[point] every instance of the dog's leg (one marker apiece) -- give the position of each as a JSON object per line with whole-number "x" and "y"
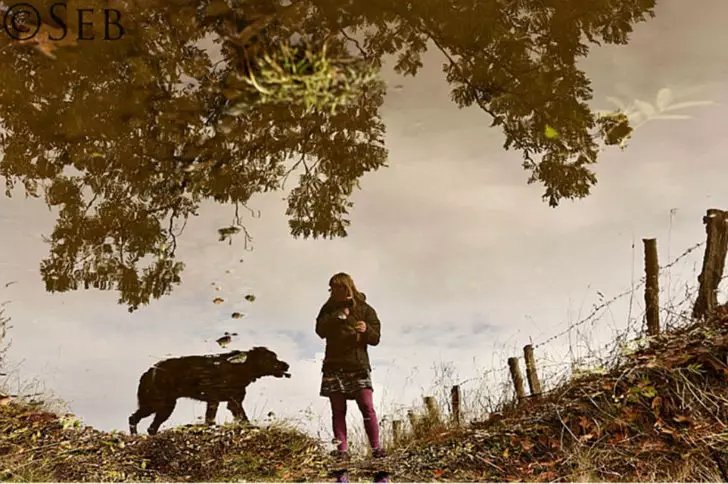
{"x": 236, "y": 408}
{"x": 163, "y": 413}
{"x": 135, "y": 417}
{"x": 211, "y": 412}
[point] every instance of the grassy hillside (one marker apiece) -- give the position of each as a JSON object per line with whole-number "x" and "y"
{"x": 658, "y": 415}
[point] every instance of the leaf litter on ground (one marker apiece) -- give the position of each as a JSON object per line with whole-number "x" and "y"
{"x": 656, "y": 415}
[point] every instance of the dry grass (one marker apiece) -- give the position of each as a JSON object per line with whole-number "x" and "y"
{"x": 41, "y": 446}
{"x": 658, "y": 415}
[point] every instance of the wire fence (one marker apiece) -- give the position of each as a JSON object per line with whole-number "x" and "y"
{"x": 585, "y": 345}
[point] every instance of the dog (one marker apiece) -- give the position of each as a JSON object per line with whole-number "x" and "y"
{"x": 208, "y": 378}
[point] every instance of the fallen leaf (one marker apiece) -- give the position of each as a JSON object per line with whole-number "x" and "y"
{"x": 584, "y": 423}
{"x": 237, "y": 315}
{"x": 218, "y": 300}
{"x": 250, "y": 297}
{"x": 224, "y": 341}
{"x": 547, "y": 476}
{"x": 437, "y": 473}
{"x": 682, "y": 419}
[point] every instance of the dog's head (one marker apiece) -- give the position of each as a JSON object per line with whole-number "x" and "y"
{"x": 266, "y": 363}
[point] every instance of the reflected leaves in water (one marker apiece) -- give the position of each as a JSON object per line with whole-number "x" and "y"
{"x": 124, "y": 139}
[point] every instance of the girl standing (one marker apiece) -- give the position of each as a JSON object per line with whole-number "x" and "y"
{"x": 349, "y": 325}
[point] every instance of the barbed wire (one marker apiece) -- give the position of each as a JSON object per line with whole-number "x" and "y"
{"x": 594, "y": 313}
{"x": 604, "y": 304}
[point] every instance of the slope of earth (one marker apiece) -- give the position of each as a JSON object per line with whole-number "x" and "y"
{"x": 658, "y": 415}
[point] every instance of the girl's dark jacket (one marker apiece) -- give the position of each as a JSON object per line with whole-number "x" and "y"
{"x": 343, "y": 351}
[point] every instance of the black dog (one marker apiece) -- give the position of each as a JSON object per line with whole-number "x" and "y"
{"x": 212, "y": 379}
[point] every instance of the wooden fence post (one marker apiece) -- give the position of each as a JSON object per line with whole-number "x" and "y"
{"x": 716, "y": 246}
{"x": 433, "y": 412}
{"x": 413, "y": 421}
{"x": 397, "y": 431}
{"x": 533, "y": 383}
{"x": 455, "y": 399}
{"x": 652, "y": 287}
{"x": 517, "y": 378}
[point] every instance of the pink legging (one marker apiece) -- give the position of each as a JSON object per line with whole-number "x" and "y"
{"x": 366, "y": 406}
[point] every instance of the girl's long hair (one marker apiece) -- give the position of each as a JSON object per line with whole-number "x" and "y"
{"x": 345, "y": 280}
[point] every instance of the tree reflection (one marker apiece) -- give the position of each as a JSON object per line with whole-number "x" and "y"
{"x": 126, "y": 138}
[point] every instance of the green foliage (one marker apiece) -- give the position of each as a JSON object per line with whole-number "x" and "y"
{"x": 308, "y": 76}
{"x": 124, "y": 139}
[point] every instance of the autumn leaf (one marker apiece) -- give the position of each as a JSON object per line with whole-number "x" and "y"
{"x": 669, "y": 431}
{"x": 437, "y": 473}
{"x": 682, "y": 419}
{"x": 218, "y": 300}
{"x": 237, "y": 315}
{"x": 616, "y": 438}
{"x": 629, "y": 413}
{"x": 657, "y": 404}
{"x": 550, "y": 132}
{"x": 584, "y": 423}
{"x": 547, "y": 476}
{"x": 224, "y": 340}
{"x": 250, "y": 298}
{"x": 227, "y": 232}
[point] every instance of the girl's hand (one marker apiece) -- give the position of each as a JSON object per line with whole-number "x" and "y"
{"x": 360, "y": 326}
